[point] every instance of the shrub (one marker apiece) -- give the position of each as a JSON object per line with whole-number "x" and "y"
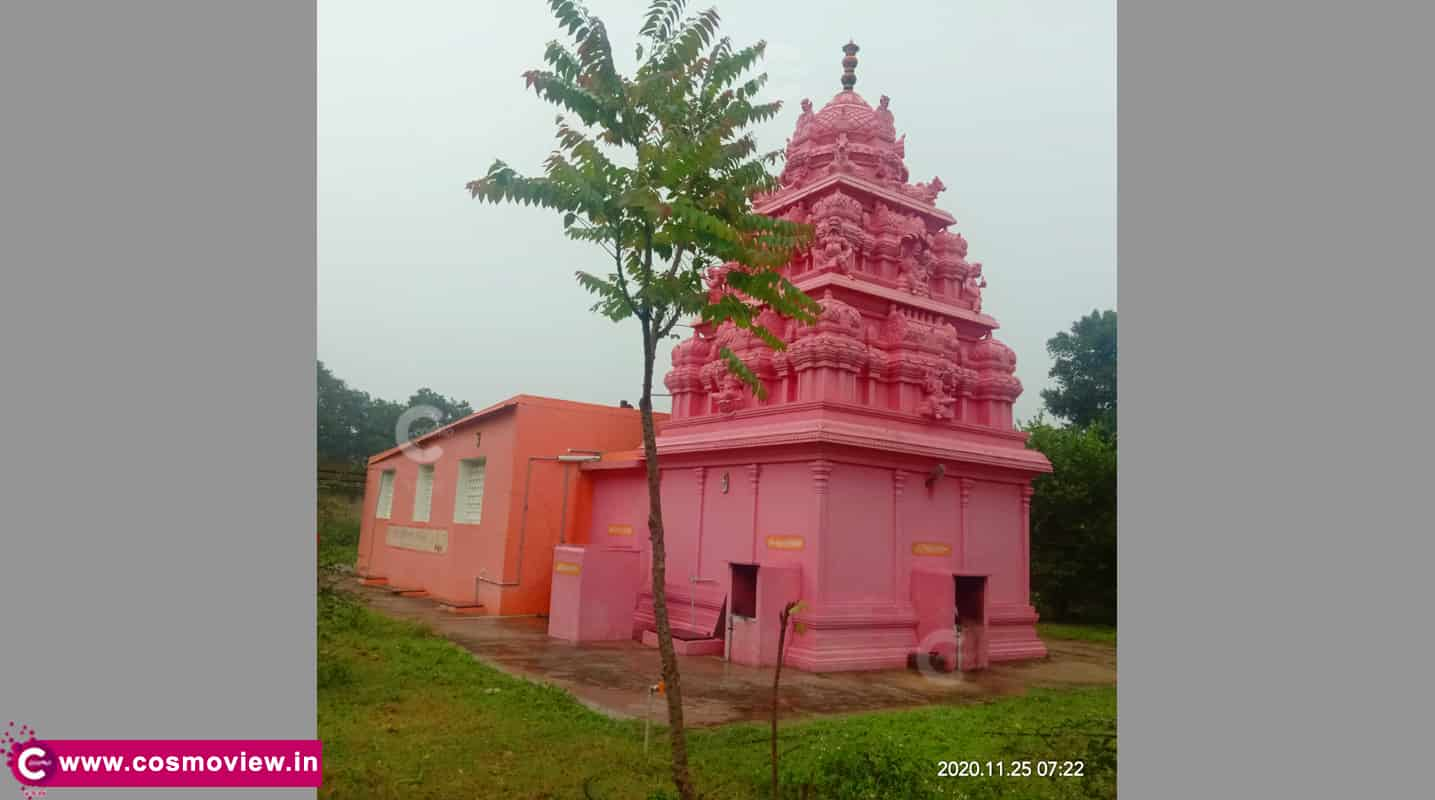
{"x": 845, "y": 765}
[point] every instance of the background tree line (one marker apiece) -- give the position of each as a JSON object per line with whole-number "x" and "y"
{"x": 354, "y": 426}
{"x": 1073, "y": 512}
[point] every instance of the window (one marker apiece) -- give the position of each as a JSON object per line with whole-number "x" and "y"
{"x": 468, "y": 500}
{"x": 423, "y": 493}
{"x": 386, "y": 494}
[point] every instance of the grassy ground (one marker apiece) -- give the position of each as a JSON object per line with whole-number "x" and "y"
{"x": 338, "y": 531}
{"x": 405, "y": 713}
{"x": 1105, "y": 634}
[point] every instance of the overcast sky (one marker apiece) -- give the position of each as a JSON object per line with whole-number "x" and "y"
{"x": 1012, "y": 103}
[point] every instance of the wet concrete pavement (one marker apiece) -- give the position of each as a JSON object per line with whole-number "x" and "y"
{"x": 613, "y": 677}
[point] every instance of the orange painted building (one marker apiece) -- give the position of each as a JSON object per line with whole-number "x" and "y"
{"x": 469, "y": 514}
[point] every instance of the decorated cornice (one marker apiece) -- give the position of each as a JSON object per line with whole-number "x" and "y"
{"x": 774, "y": 204}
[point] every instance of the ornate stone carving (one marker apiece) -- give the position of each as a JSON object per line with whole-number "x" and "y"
{"x": 886, "y": 126}
{"x": 838, "y": 205}
{"x": 917, "y": 272}
{"x": 834, "y": 341}
{"x": 938, "y": 400}
{"x": 839, "y": 235}
{"x": 925, "y": 192}
{"x": 732, "y": 395}
{"x": 913, "y": 361}
{"x": 972, "y": 287}
{"x": 804, "y": 123}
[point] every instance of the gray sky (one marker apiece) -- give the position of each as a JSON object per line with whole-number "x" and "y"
{"x": 1011, "y": 103}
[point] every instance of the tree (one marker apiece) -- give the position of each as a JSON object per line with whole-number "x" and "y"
{"x": 448, "y": 410}
{"x": 353, "y": 426}
{"x": 1085, "y": 372}
{"x": 1073, "y": 523}
{"x": 340, "y": 417}
{"x": 658, "y": 169}
{"x": 787, "y": 612}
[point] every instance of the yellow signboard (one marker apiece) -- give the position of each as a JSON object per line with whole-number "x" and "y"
{"x": 567, "y": 568}
{"x": 785, "y": 543}
{"x": 931, "y": 549}
{"x": 620, "y": 530}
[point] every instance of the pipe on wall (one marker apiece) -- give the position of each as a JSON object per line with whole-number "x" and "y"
{"x": 571, "y": 457}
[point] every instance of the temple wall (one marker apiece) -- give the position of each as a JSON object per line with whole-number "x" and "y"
{"x": 858, "y": 561}
{"x": 929, "y": 527}
{"x": 855, "y": 532}
{"x": 994, "y": 543}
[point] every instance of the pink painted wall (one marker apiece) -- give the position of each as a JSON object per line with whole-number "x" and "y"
{"x": 787, "y": 507}
{"x": 856, "y": 547}
{"x": 994, "y": 545}
{"x": 927, "y": 516}
{"x": 594, "y": 593}
{"x": 854, "y": 534}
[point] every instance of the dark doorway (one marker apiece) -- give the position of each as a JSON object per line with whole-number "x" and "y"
{"x": 744, "y": 590}
{"x": 971, "y": 622}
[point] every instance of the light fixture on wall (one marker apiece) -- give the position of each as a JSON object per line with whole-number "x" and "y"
{"x": 724, "y": 483}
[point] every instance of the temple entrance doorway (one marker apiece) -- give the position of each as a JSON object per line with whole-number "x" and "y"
{"x": 970, "y": 621}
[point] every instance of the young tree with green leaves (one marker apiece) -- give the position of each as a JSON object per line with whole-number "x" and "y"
{"x": 658, "y": 169}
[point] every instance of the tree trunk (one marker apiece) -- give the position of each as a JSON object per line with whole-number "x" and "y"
{"x": 777, "y": 676}
{"x": 672, "y": 687}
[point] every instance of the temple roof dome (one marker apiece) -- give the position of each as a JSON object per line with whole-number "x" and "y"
{"x": 989, "y": 354}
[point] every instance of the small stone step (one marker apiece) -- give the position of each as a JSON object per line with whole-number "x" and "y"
{"x": 687, "y": 646}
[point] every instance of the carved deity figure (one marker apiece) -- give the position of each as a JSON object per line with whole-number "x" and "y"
{"x": 973, "y": 285}
{"x": 804, "y": 122}
{"x": 841, "y": 159}
{"x": 886, "y": 125}
{"x": 917, "y": 272}
{"x": 839, "y": 232}
{"x": 717, "y": 281}
{"x": 833, "y": 251}
{"x": 730, "y": 398}
{"x": 939, "y": 402}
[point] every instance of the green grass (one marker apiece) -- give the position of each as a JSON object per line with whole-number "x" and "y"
{"x": 405, "y": 713}
{"x": 1104, "y": 634}
{"x": 338, "y": 543}
{"x": 338, "y": 531}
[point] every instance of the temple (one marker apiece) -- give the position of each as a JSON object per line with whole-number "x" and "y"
{"x": 879, "y": 479}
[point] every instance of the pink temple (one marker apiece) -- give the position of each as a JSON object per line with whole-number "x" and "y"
{"x": 880, "y": 480}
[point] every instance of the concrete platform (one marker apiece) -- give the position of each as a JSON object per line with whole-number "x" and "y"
{"x": 613, "y": 677}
